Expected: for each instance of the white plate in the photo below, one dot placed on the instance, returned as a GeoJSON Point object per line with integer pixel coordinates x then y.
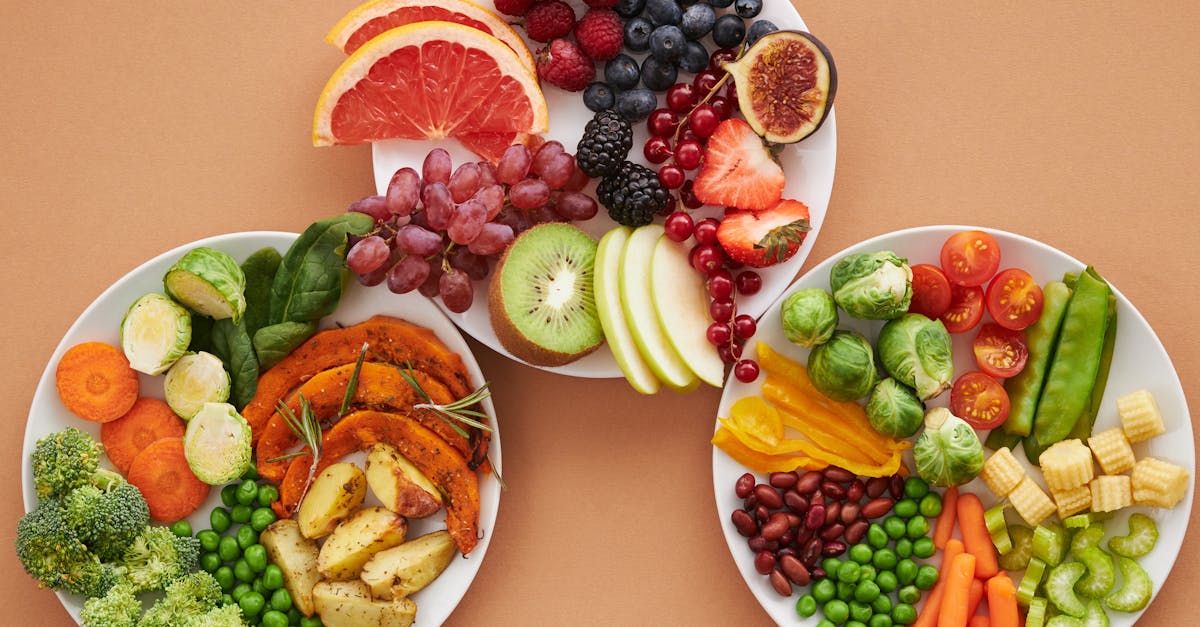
{"type": "Point", "coordinates": [1139, 361]}
{"type": "Point", "coordinates": [809, 167]}
{"type": "Point", "coordinates": [101, 322]}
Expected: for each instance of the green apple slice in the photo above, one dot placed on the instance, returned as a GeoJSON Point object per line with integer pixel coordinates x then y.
{"type": "Point", "coordinates": [637, 300]}
{"type": "Point", "coordinates": [682, 306]}
{"type": "Point", "coordinates": [607, 287]}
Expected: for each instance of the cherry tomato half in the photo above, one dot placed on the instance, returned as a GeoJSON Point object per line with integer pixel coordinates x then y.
{"type": "Point", "coordinates": [931, 291]}
{"type": "Point", "coordinates": [980, 400]}
{"type": "Point", "coordinates": [1000, 352]}
{"type": "Point", "coordinates": [1014, 299]}
{"type": "Point", "coordinates": [966, 309]}
{"type": "Point", "coordinates": [970, 258]}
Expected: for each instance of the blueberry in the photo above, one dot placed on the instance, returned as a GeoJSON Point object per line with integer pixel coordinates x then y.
{"type": "Point", "coordinates": [657, 75]}
{"type": "Point", "coordinates": [630, 8]}
{"type": "Point", "coordinates": [729, 31]}
{"type": "Point", "coordinates": [720, 4]}
{"type": "Point", "coordinates": [748, 8]}
{"type": "Point", "coordinates": [694, 59]}
{"type": "Point", "coordinates": [622, 72]}
{"type": "Point", "coordinates": [758, 29]}
{"type": "Point", "coordinates": [598, 97]}
{"type": "Point", "coordinates": [663, 12]}
{"type": "Point", "coordinates": [637, 34]}
{"type": "Point", "coordinates": [667, 44]}
{"type": "Point", "coordinates": [636, 104]}
{"type": "Point", "coordinates": [698, 19]}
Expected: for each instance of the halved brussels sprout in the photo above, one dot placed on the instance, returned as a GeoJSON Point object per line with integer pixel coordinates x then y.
{"type": "Point", "coordinates": [917, 352]}
{"type": "Point", "coordinates": [948, 453]}
{"type": "Point", "coordinates": [894, 410]}
{"type": "Point", "coordinates": [155, 332]}
{"type": "Point", "coordinates": [195, 379]}
{"type": "Point", "coordinates": [809, 317]}
{"type": "Point", "coordinates": [872, 286]}
{"type": "Point", "coordinates": [217, 444]}
{"type": "Point", "coordinates": [844, 367]}
{"type": "Point", "coordinates": [210, 282]}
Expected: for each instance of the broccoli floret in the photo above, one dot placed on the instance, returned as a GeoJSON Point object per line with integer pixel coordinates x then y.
{"type": "Point", "coordinates": [107, 521]}
{"type": "Point", "coordinates": [158, 557]}
{"type": "Point", "coordinates": [64, 461]}
{"type": "Point", "coordinates": [224, 616]}
{"type": "Point", "coordinates": [52, 553]}
{"type": "Point", "coordinates": [119, 608]}
{"type": "Point", "coordinates": [189, 596]}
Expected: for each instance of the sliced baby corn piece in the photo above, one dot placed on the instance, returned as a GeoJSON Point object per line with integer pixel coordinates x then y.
{"type": "Point", "coordinates": [1111, 493]}
{"type": "Point", "coordinates": [1140, 416]}
{"type": "Point", "coordinates": [1072, 501]}
{"type": "Point", "coordinates": [1030, 501]}
{"type": "Point", "coordinates": [1157, 483]}
{"type": "Point", "coordinates": [1002, 472]}
{"type": "Point", "coordinates": [1066, 464]}
{"type": "Point", "coordinates": [1112, 451]}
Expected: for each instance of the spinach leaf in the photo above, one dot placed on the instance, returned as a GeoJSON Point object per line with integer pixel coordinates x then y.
{"type": "Point", "coordinates": [308, 284]}
{"type": "Point", "coordinates": [233, 345]}
{"type": "Point", "coordinates": [274, 342]}
{"type": "Point", "coordinates": [259, 269]}
{"type": "Point", "coordinates": [201, 333]}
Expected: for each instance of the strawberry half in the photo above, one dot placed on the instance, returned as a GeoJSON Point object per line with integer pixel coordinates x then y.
{"type": "Point", "coordinates": [738, 170]}
{"type": "Point", "coordinates": [764, 238]}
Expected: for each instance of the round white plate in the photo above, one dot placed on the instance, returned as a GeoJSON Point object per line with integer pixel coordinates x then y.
{"type": "Point", "coordinates": [101, 322]}
{"type": "Point", "coordinates": [1139, 361]}
{"type": "Point", "coordinates": [809, 166]}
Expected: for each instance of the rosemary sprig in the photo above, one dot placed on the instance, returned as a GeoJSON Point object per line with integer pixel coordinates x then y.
{"type": "Point", "coordinates": [352, 385]}
{"type": "Point", "coordinates": [452, 413]}
{"type": "Point", "coordinates": [306, 427]}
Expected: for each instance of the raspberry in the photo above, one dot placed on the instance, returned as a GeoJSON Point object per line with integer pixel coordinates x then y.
{"type": "Point", "coordinates": [548, 21]}
{"type": "Point", "coordinates": [513, 7]}
{"type": "Point", "coordinates": [600, 34]}
{"type": "Point", "coordinates": [562, 63]}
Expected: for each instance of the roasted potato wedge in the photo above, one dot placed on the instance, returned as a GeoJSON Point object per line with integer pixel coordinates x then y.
{"type": "Point", "coordinates": [400, 571]}
{"type": "Point", "coordinates": [332, 497]}
{"type": "Point", "coordinates": [369, 531]}
{"type": "Point", "coordinates": [349, 604]}
{"type": "Point", "coordinates": [401, 486]}
{"type": "Point", "coordinates": [296, 556]}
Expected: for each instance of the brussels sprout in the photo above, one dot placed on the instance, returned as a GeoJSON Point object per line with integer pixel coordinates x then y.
{"type": "Point", "coordinates": [948, 453]}
{"type": "Point", "coordinates": [844, 367]}
{"type": "Point", "coordinates": [809, 317]}
{"type": "Point", "coordinates": [195, 379]}
{"type": "Point", "coordinates": [217, 444]}
{"type": "Point", "coordinates": [872, 286]}
{"type": "Point", "coordinates": [208, 281]}
{"type": "Point", "coordinates": [155, 332]}
{"type": "Point", "coordinates": [916, 351]}
{"type": "Point", "coordinates": [894, 410]}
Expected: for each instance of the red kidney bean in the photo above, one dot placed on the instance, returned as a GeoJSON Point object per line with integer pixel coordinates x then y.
{"type": "Point", "coordinates": [896, 486]}
{"type": "Point", "coordinates": [856, 531]}
{"type": "Point", "coordinates": [803, 535]}
{"type": "Point", "coordinates": [876, 507]}
{"type": "Point", "coordinates": [768, 496]}
{"type": "Point", "coordinates": [780, 582]}
{"type": "Point", "coordinates": [833, 491]}
{"type": "Point", "coordinates": [783, 480]}
{"type": "Point", "coordinates": [808, 482]}
{"type": "Point", "coordinates": [794, 520]}
{"type": "Point", "coordinates": [764, 562]}
{"type": "Point", "coordinates": [838, 474]}
{"type": "Point", "coordinates": [832, 513]}
{"type": "Point", "coordinates": [785, 551]}
{"type": "Point", "coordinates": [833, 532]}
{"type": "Point", "coordinates": [761, 514]}
{"type": "Point", "coordinates": [744, 522]}
{"type": "Point", "coordinates": [750, 503]}
{"type": "Point", "coordinates": [795, 570]}
{"type": "Point", "coordinates": [787, 538]}
{"type": "Point", "coordinates": [744, 486]}
{"type": "Point", "coordinates": [833, 549]}
{"type": "Point", "coordinates": [817, 498]}
{"type": "Point", "coordinates": [817, 572]}
{"type": "Point", "coordinates": [816, 517]}
{"type": "Point", "coordinates": [855, 492]}
{"type": "Point", "coordinates": [876, 486]}
{"type": "Point", "coordinates": [775, 526]}
{"type": "Point", "coordinates": [759, 543]}
{"type": "Point", "coordinates": [795, 502]}
{"type": "Point", "coordinates": [811, 552]}
{"type": "Point", "coordinates": [850, 512]}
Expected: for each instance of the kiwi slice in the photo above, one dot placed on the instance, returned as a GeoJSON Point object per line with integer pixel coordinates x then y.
{"type": "Point", "coordinates": [542, 305]}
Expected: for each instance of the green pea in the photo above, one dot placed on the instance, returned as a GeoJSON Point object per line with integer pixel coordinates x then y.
{"type": "Point", "coordinates": [848, 572]}
{"type": "Point", "coordinates": [210, 562]}
{"type": "Point", "coordinates": [918, 527]}
{"type": "Point", "coordinates": [882, 604]}
{"type": "Point", "coordinates": [886, 581]}
{"type": "Point", "coordinates": [242, 570]}
{"type": "Point", "coordinates": [246, 537]}
{"type": "Point", "coordinates": [860, 553]}
{"type": "Point", "coordinates": [247, 492]}
{"type": "Point", "coordinates": [294, 616]}
{"type": "Point", "coordinates": [252, 604]}
{"type": "Point", "coordinates": [262, 518]}
{"type": "Point", "coordinates": [281, 600]}
{"type": "Point", "coordinates": [845, 591]}
{"type": "Point", "coordinates": [837, 611]}
{"type": "Point", "coordinates": [315, 621]}
{"type": "Point", "coordinates": [267, 494]}
{"type": "Point", "coordinates": [826, 623]}
{"type": "Point", "coordinates": [229, 549]}
{"type": "Point", "coordinates": [866, 573]}
{"type": "Point", "coordinates": [831, 565]}
{"type": "Point", "coordinates": [806, 606]}
{"type": "Point", "coordinates": [904, 614]}
{"type": "Point", "coordinates": [272, 577]}
{"type": "Point", "coordinates": [930, 506]}
{"type": "Point", "coordinates": [227, 599]}
{"type": "Point", "coordinates": [855, 623]}
{"type": "Point", "coordinates": [926, 577]}
{"type": "Point", "coordinates": [260, 588]}
{"type": "Point", "coordinates": [906, 508]}
{"type": "Point", "coordinates": [824, 590]}
{"type": "Point", "coordinates": [240, 591]}
{"type": "Point", "coordinates": [866, 592]}
{"type": "Point", "coordinates": [906, 571]}
{"type": "Point", "coordinates": [209, 539]}
{"type": "Point", "coordinates": [240, 513]}
{"type": "Point", "coordinates": [915, 488]}
{"type": "Point", "coordinates": [274, 618]}
{"type": "Point", "coordinates": [256, 557]}
{"type": "Point", "coordinates": [229, 495]}
{"type": "Point", "coordinates": [251, 473]}
{"type": "Point", "coordinates": [219, 520]}
{"type": "Point", "coordinates": [876, 536]}
{"type": "Point", "coordinates": [860, 612]}
{"type": "Point", "coordinates": [904, 547]}
{"type": "Point", "coordinates": [923, 547]}
{"type": "Point", "coordinates": [884, 559]}
{"type": "Point", "coordinates": [182, 528]}
{"type": "Point", "coordinates": [880, 620]}
{"type": "Point", "coordinates": [224, 576]}
{"type": "Point", "coordinates": [909, 594]}
{"type": "Point", "coordinates": [894, 527]}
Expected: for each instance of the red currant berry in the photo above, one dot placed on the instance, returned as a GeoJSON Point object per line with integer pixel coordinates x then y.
{"type": "Point", "coordinates": [718, 333]}
{"type": "Point", "coordinates": [688, 154]}
{"type": "Point", "coordinates": [661, 122]}
{"type": "Point", "coordinates": [688, 135]}
{"type": "Point", "coordinates": [706, 231]}
{"type": "Point", "coordinates": [687, 194]}
{"type": "Point", "coordinates": [657, 149]}
{"type": "Point", "coordinates": [720, 285]}
{"type": "Point", "coordinates": [681, 97]}
{"type": "Point", "coordinates": [678, 226]}
{"type": "Point", "coordinates": [744, 326]}
{"type": "Point", "coordinates": [726, 354]}
{"type": "Point", "coordinates": [707, 259]}
{"type": "Point", "coordinates": [668, 207]}
{"type": "Point", "coordinates": [719, 56]}
{"type": "Point", "coordinates": [721, 310]}
{"type": "Point", "coordinates": [723, 107]}
{"type": "Point", "coordinates": [705, 81]}
{"type": "Point", "coordinates": [671, 176]}
{"type": "Point", "coordinates": [731, 93]}
{"type": "Point", "coordinates": [748, 283]}
{"type": "Point", "coordinates": [704, 120]}
{"type": "Point", "coordinates": [746, 370]}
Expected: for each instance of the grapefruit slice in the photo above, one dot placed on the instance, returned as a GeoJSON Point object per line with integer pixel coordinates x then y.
{"type": "Point", "coordinates": [429, 80]}
{"type": "Point", "coordinates": [372, 18]}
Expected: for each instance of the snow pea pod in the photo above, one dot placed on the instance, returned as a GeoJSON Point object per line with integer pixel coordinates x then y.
{"type": "Point", "coordinates": [1025, 388]}
{"type": "Point", "coordinates": [1083, 428]}
{"type": "Point", "coordinates": [1076, 362]}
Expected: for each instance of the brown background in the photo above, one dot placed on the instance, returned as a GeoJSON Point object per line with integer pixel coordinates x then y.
{"type": "Point", "coordinates": [128, 128]}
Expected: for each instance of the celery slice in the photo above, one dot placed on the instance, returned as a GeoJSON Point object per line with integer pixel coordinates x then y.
{"type": "Point", "coordinates": [1086, 519]}
{"type": "Point", "coordinates": [1049, 543]}
{"type": "Point", "coordinates": [1060, 588]}
{"type": "Point", "coordinates": [1028, 587]}
{"type": "Point", "coordinates": [1136, 592]}
{"type": "Point", "coordinates": [1100, 575]}
{"type": "Point", "coordinates": [1062, 620]}
{"type": "Point", "coordinates": [1095, 615]}
{"type": "Point", "coordinates": [1022, 548]}
{"type": "Point", "coordinates": [1143, 534]}
{"type": "Point", "coordinates": [1036, 616]}
{"type": "Point", "coordinates": [994, 519]}
{"type": "Point", "coordinates": [1088, 537]}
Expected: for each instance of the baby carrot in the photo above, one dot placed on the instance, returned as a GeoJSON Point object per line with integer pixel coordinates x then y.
{"type": "Point", "coordinates": [974, 595]}
{"type": "Point", "coordinates": [1002, 601]}
{"type": "Point", "coordinates": [979, 621]}
{"type": "Point", "coordinates": [945, 521]}
{"type": "Point", "coordinates": [976, 538]}
{"type": "Point", "coordinates": [955, 600]}
{"type": "Point", "coordinates": [929, 613]}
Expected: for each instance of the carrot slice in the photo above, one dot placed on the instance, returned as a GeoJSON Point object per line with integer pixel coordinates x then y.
{"type": "Point", "coordinates": [975, 535]}
{"type": "Point", "coordinates": [945, 521]}
{"type": "Point", "coordinates": [956, 598]}
{"type": "Point", "coordinates": [1002, 601]}
{"type": "Point", "coordinates": [146, 422]}
{"type": "Point", "coordinates": [162, 474]}
{"type": "Point", "coordinates": [929, 613]}
{"type": "Point", "coordinates": [95, 381]}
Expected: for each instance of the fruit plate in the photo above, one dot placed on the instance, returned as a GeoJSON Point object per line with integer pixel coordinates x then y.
{"type": "Point", "coordinates": [101, 322]}
{"type": "Point", "coordinates": [809, 166]}
{"type": "Point", "coordinates": [1140, 361]}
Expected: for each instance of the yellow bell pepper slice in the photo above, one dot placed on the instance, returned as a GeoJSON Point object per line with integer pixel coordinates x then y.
{"type": "Point", "coordinates": [725, 440]}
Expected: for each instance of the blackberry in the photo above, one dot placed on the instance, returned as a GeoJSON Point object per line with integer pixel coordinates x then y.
{"type": "Point", "coordinates": [606, 141]}
{"type": "Point", "coordinates": [633, 195]}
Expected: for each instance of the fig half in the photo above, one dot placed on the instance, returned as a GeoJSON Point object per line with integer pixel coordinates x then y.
{"type": "Point", "coordinates": [785, 85]}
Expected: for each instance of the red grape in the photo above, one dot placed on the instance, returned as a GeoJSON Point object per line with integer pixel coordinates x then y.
{"type": "Point", "coordinates": [474, 266]}
{"type": "Point", "coordinates": [492, 197]}
{"type": "Point", "coordinates": [688, 154]}
{"type": "Point", "coordinates": [514, 164]}
{"type": "Point", "coordinates": [493, 238]}
{"type": "Point", "coordinates": [720, 285]}
{"type": "Point", "coordinates": [374, 206]}
{"type": "Point", "coordinates": [419, 241]}
{"type": "Point", "coordinates": [718, 333]}
{"type": "Point", "coordinates": [678, 226]}
{"type": "Point", "coordinates": [438, 207]}
{"type": "Point", "coordinates": [407, 274]}
{"type": "Point", "coordinates": [544, 155]}
{"type": "Point", "coordinates": [529, 193]}
{"type": "Point", "coordinates": [464, 182]}
{"type": "Point", "coordinates": [467, 222]}
{"type": "Point", "coordinates": [671, 176]}
{"type": "Point", "coordinates": [430, 286]}
{"type": "Point", "coordinates": [578, 181]}
{"type": "Point", "coordinates": [436, 168]}
{"type": "Point", "coordinates": [403, 191]}
{"type": "Point", "coordinates": [749, 282]}
{"type": "Point", "coordinates": [661, 122]}
{"type": "Point", "coordinates": [558, 172]}
{"type": "Point", "coordinates": [744, 326]}
{"type": "Point", "coordinates": [746, 370]}
{"type": "Point", "coordinates": [681, 97]}
{"type": "Point", "coordinates": [576, 206]}
{"type": "Point", "coordinates": [487, 173]}
{"type": "Point", "coordinates": [367, 255]}
{"type": "Point", "coordinates": [721, 310]}
{"type": "Point", "coordinates": [657, 150]}
{"type": "Point", "coordinates": [456, 291]}
{"type": "Point", "coordinates": [706, 231]}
